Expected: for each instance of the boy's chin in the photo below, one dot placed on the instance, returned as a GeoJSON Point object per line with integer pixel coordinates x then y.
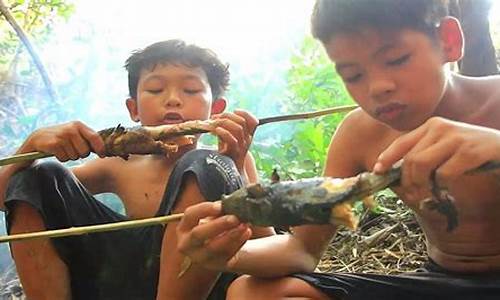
{"type": "Point", "coordinates": [402, 126]}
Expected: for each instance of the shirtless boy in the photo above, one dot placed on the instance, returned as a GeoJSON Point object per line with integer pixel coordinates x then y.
{"type": "Point", "coordinates": [169, 82]}
{"type": "Point", "coordinates": [392, 56]}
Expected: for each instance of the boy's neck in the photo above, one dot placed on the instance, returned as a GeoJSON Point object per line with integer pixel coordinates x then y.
{"type": "Point", "coordinates": [457, 102]}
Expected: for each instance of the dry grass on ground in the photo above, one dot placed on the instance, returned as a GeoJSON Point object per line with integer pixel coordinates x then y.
{"type": "Point", "coordinates": [388, 242]}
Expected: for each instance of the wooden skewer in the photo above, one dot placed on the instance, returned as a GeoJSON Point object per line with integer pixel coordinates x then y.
{"type": "Point", "coordinates": [134, 223]}
{"type": "Point", "coordinates": [377, 184]}
{"type": "Point", "coordinates": [91, 228]}
{"type": "Point", "coordinates": [307, 115]}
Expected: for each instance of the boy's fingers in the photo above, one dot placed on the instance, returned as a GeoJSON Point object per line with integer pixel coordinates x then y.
{"type": "Point", "coordinates": [418, 168]}
{"type": "Point", "coordinates": [69, 149]}
{"type": "Point", "coordinates": [60, 154]}
{"type": "Point", "coordinates": [229, 244]}
{"type": "Point", "coordinates": [193, 214]}
{"type": "Point", "coordinates": [221, 249]}
{"type": "Point", "coordinates": [398, 149]}
{"type": "Point", "coordinates": [227, 138]}
{"type": "Point", "coordinates": [210, 230]}
{"type": "Point", "coordinates": [461, 162]}
{"type": "Point", "coordinates": [94, 140]}
{"type": "Point", "coordinates": [81, 146]}
{"type": "Point", "coordinates": [250, 120]}
{"type": "Point", "coordinates": [236, 129]}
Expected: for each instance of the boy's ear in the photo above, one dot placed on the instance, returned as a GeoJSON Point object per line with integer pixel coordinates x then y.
{"type": "Point", "coordinates": [452, 39]}
{"type": "Point", "coordinates": [132, 109]}
{"type": "Point", "coordinates": [218, 106]}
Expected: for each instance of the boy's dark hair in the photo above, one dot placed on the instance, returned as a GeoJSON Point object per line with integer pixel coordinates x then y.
{"type": "Point", "coordinates": [330, 17]}
{"type": "Point", "coordinates": [178, 52]}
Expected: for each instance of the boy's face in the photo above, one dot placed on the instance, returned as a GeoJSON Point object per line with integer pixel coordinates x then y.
{"type": "Point", "coordinates": [397, 77]}
{"type": "Point", "coordinates": [170, 94]}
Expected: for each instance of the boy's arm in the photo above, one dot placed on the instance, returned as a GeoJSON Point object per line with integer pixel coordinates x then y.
{"type": "Point", "coordinates": [250, 172]}
{"type": "Point", "coordinates": [445, 147]}
{"type": "Point", "coordinates": [235, 135]}
{"type": "Point", "coordinates": [68, 141]}
{"type": "Point", "coordinates": [223, 244]}
{"type": "Point", "coordinates": [95, 175]}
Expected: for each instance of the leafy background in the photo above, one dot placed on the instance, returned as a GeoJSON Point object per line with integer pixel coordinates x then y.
{"type": "Point", "coordinates": [289, 73]}
{"type": "Point", "coordinates": [86, 69]}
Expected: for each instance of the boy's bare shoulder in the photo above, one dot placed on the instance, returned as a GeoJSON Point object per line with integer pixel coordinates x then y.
{"type": "Point", "coordinates": [356, 144]}
{"type": "Point", "coordinates": [483, 94]}
{"type": "Point", "coordinates": [359, 127]}
{"type": "Point", "coordinates": [494, 87]}
{"type": "Point", "coordinates": [98, 175]}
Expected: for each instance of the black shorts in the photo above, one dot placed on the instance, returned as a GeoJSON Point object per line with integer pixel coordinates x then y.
{"type": "Point", "coordinates": [430, 283]}
{"type": "Point", "coordinates": [122, 264]}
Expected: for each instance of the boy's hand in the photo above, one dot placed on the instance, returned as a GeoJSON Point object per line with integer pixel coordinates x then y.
{"type": "Point", "coordinates": [447, 147]}
{"type": "Point", "coordinates": [235, 134]}
{"type": "Point", "coordinates": [209, 239]}
{"type": "Point", "coordinates": [68, 141]}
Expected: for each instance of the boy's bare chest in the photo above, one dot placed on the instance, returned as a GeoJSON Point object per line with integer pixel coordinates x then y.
{"type": "Point", "coordinates": [141, 188]}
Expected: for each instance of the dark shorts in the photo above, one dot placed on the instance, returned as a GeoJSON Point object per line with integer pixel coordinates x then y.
{"type": "Point", "coordinates": [122, 264]}
{"type": "Point", "coordinates": [430, 283]}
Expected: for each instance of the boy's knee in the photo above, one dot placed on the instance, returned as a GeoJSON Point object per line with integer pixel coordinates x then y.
{"type": "Point", "coordinates": [238, 288]}
{"type": "Point", "coordinates": [254, 288]}
{"type": "Point", "coordinates": [250, 287]}
{"type": "Point", "coordinates": [48, 170]}
{"type": "Point", "coordinates": [215, 174]}
{"type": "Point", "coordinates": [24, 218]}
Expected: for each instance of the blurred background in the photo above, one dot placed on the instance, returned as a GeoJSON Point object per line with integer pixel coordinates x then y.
{"type": "Point", "coordinates": [276, 68]}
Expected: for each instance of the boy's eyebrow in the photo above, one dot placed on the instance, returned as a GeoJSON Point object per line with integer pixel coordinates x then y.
{"type": "Point", "coordinates": [189, 77]}
{"type": "Point", "coordinates": [162, 77]}
{"type": "Point", "coordinates": [384, 49]}
{"type": "Point", "coordinates": [340, 66]}
{"type": "Point", "coordinates": [379, 51]}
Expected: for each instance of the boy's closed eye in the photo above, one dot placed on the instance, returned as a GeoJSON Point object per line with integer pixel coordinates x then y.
{"type": "Point", "coordinates": [353, 78]}
{"type": "Point", "coordinates": [153, 86]}
{"type": "Point", "coordinates": [154, 91]}
{"type": "Point", "coordinates": [399, 61]}
{"type": "Point", "coordinates": [192, 91]}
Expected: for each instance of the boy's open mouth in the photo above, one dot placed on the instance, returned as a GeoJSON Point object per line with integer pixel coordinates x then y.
{"type": "Point", "coordinates": [173, 118]}
{"type": "Point", "coordinates": [390, 111]}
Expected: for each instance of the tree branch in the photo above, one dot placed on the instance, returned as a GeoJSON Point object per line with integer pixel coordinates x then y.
{"type": "Point", "coordinates": [4, 10]}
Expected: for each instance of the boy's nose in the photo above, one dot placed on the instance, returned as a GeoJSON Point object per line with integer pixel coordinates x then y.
{"type": "Point", "coordinates": [173, 100]}
{"type": "Point", "coordinates": [381, 88]}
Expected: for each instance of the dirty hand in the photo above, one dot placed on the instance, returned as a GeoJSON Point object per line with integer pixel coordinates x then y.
{"type": "Point", "coordinates": [235, 134]}
{"type": "Point", "coordinates": [209, 239]}
{"type": "Point", "coordinates": [68, 141]}
{"type": "Point", "coordinates": [445, 147]}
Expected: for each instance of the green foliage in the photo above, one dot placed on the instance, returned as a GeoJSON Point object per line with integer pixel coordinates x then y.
{"type": "Point", "coordinates": [23, 97]}
{"type": "Point", "coordinates": [312, 84]}
{"type": "Point", "coordinates": [35, 18]}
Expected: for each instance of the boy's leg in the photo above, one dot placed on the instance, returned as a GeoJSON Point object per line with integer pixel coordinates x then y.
{"type": "Point", "coordinates": [196, 282]}
{"type": "Point", "coordinates": [252, 288]}
{"type": "Point", "coordinates": [200, 175]}
{"type": "Point", "coordinates": [41, 271]}
{"type": "Point", "coordinates": [48, 196]}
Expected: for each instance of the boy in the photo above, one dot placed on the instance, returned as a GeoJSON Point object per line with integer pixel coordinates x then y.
{"type": "Point", "coordinates": [169, 82]}
{"type": "Point", "coordinates": [392, 56]}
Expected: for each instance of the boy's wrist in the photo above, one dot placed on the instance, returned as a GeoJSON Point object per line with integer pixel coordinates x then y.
{"type": "Point", "coordinates": [25, 148]}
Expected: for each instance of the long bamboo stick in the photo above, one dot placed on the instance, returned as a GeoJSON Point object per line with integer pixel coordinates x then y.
{"type": "Point", "coordinates": [370, 184]}
{"type": "Point", "coordinates": [91, 228]}
{"type": "Point", "coordinates": [308, 115]}
{"type": "Point", "coordinates": [135, 223]}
